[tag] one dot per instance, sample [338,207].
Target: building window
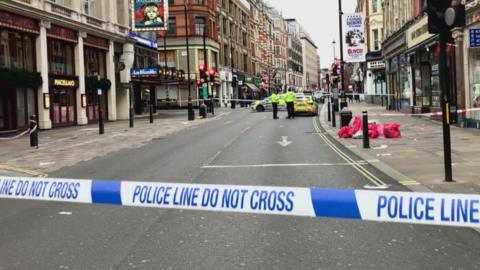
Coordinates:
[16,50]
[226,55]
[172,26]
[245,62]
[200,2]
[60,57]
[199,25]
[374,6]
[376,42]
[171,58]
[95,60]
[89,7]
[171,2]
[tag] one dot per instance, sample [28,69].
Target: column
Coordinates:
[42,66]
[80,69]
[111,99]
[123,96]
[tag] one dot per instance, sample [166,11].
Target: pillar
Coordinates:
[44,120]
[111,98]
[80,69]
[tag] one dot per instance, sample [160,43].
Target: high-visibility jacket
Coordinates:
[275,98]
[290,97]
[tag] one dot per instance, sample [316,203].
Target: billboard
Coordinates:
[149,15]
[354,38]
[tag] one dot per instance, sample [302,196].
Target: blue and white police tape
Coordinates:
[402,207]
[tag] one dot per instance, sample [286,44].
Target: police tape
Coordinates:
[424,114]
[383,206]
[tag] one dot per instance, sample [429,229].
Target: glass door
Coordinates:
[7,116]
[63,107]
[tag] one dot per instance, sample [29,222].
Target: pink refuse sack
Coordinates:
[392,131]
[345,132]
[372,131]
[356,124]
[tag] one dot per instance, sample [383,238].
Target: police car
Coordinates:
[305,105]
[266,104]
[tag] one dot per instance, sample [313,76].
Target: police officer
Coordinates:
[290,98]
[275,101]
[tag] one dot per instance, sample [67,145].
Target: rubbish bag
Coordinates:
[356,124]
[345,132]
[372,131]
[381,130]
[392,131]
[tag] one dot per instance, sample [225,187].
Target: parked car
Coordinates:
[319,97]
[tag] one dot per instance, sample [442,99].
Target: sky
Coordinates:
[320,19]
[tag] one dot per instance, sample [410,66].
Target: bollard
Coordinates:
[131,118]
[33,132]
[366,139]
[151,113]
[329,112]
[334,120]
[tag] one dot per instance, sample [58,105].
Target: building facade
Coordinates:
[310,62]
[295,55]
[280,56]
[63,57]
[235,55]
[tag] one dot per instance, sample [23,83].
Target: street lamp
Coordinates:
[333,46]
[191,113]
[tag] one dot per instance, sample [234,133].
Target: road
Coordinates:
[242,148]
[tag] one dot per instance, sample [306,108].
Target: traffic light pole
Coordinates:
[445,103]
[340,15]
[191,113]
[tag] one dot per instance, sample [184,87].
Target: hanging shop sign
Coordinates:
[474,36]
[354,38]
[149,15]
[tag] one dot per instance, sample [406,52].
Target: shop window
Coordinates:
[474,93]
[21,110]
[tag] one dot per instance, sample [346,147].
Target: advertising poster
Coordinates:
[354,38]
[149,15]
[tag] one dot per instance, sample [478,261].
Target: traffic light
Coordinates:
[202,71]
[211,74]
[443,16]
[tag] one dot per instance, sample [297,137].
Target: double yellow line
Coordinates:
[368,175]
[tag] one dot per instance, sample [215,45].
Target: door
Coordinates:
[93,106]
[7,110]
[63,107]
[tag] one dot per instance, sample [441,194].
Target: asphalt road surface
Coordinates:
[242,148]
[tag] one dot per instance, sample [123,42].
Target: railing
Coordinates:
[94,21]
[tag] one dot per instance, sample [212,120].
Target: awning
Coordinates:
[253,87]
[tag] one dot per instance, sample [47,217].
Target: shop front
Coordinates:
[62,100]
[397,73]
[19,80]
[375,88]
[63,84]
[472,57]
[97,84]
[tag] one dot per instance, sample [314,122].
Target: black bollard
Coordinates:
[334,120]
[151,114]
[131,118]
[329,112]
[33,132]
[366,139]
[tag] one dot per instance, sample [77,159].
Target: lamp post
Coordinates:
[333,47]
[191,113]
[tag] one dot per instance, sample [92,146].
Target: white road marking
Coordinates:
[65,213]
[383,146]
[210,160]
[284,142]
[274,165]
[44,164]
[377,187]
[228,123]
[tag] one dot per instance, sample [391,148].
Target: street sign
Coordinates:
[474,35]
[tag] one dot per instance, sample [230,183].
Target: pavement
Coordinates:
[67,146]
[238,148]
[416,159]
